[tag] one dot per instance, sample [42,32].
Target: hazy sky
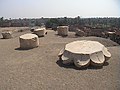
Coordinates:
[59,8]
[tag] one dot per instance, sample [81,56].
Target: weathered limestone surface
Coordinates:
[28,41]
[7,35]
[62,30]
[40,32]
[83,53]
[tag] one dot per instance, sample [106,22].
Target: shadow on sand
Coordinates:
[61,35]
[1,38]
[21,49]
[5,38]
[72,66]
[67,36]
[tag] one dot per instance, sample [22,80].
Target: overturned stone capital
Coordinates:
[80,32]
[40,32]
[83,53]
[7,34]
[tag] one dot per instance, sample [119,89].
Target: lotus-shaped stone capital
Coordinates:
[83,53]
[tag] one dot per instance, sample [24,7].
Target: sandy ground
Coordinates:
[41,69]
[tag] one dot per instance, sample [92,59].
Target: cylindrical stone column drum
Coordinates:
[28,41]
[7,35]
[62,30]
[40,32]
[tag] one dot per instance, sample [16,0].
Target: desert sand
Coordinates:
[41,69]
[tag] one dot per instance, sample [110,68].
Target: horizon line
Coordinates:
[60,17]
